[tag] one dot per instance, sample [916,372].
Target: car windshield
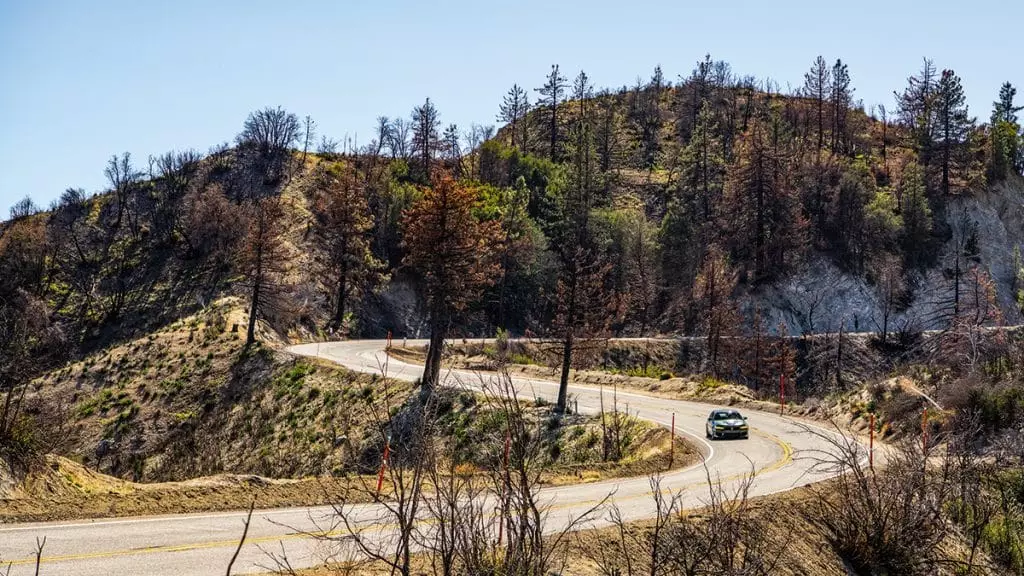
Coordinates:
[727,416]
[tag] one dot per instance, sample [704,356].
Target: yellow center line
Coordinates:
[787,457]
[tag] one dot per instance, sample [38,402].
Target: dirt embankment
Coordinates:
[59,489]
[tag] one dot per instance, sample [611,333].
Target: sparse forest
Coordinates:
[662,208]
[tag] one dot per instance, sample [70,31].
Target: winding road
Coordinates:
[201,544]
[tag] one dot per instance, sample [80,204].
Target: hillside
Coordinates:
[715,207]
[667,190]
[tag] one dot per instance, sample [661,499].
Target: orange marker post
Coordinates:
[383,465]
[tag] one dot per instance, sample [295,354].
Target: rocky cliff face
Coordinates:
[820,297]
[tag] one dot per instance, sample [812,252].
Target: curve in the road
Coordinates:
[184,545]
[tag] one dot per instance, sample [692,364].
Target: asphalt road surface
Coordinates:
[779,450]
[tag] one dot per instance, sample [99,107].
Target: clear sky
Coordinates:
[82,80]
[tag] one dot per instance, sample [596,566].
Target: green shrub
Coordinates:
[293,379]
[1003,539]
[709,383]
[521,359]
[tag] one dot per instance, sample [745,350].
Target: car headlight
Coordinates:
[743,426]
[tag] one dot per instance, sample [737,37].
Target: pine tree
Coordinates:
[916,108]
[681,246]
[518,250]
[647,118]
[818,86]
[263,261]
[513,113]
[756,368]
[702,167]
[582,310]
[426,136]
[849,221]
[584,152]
[917,217]
[889,289]
[782,360]
[1004,109]
[551,96]
[342,221]
[766,224]
[608,132]
[952,127]
[841,97]
[641,264]
[964,249]
[692,94]
[1007,144]
[450,144]
[716,311]
[452,251]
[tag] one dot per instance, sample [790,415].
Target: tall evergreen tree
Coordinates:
[647,118]
[702,167]
[818,87]
[580,308]
[916,106]
[1004,110]
[342,221]
[513,113]
[766,224]
[263,260]
[952,126]
[426,136]
[693,92]
[551,96]
[452,148]
[917,217]
[453,251]
[849,221]
[1007,153]
[841,97]
[609,132]
[716,311]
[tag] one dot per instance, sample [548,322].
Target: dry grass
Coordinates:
[189,401]
[63,490]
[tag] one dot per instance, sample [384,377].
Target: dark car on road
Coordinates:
[726,423]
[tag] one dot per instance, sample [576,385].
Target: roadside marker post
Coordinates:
[389,340]
[871,444]
[383,464]
[672,443]
[924,430]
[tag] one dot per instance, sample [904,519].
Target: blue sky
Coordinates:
[84,80]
